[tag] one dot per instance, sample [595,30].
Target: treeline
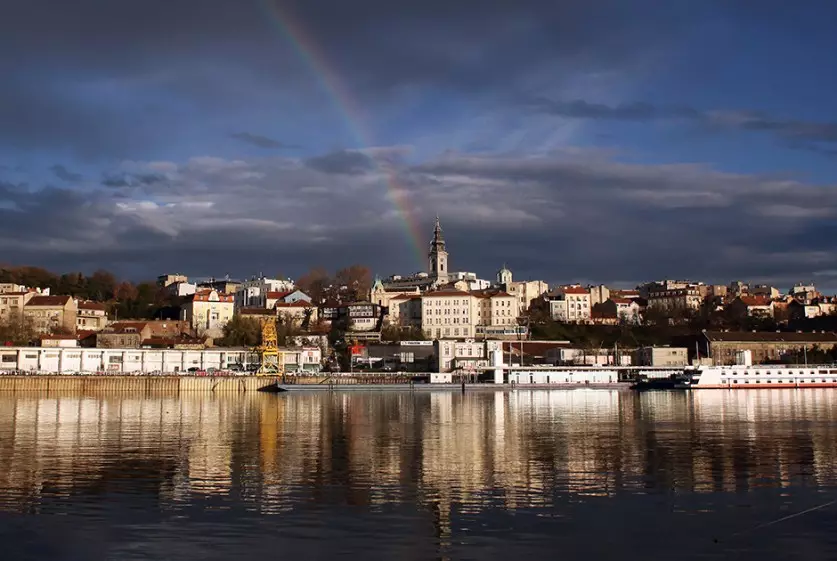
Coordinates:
[350,284]
[123,298]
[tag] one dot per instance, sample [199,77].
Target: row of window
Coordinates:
[821,381]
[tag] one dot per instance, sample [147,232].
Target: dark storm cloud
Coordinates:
[126,179]
[342,162]
[258,140]
[64,174]
[790,130]
[79,66]
[561,217]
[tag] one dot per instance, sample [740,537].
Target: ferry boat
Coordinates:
[744,377]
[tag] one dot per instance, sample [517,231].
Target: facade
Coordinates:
[448,313]
[182,289]
[253,293]
[12,304]
[675,296]
[167,280]
[438,256]
[51,313]
[723,346]
[383,296]
[298,311]
[525,292]
[618,311]
[272,297]
[146,361]
[599,294]
[464,355]
[208,311]
[404,311]
[6,287]
[571,304]
[662,356]
[769,292]
[753,306]
[91,316]
[225,285]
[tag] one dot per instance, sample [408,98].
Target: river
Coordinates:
[571,474]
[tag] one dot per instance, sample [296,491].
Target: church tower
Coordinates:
[438,256]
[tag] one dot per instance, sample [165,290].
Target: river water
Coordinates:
[575,474]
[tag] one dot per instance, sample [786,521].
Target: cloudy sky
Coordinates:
[574,140]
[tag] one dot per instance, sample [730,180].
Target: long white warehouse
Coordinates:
[75,360]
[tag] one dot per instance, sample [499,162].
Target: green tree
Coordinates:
[241,331]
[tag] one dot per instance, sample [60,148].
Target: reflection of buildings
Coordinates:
[476,451]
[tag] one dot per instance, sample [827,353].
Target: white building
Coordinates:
[57,360]
[466,355]
[461,314]
[572,304]
[253,293]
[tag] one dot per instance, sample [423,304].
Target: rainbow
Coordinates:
[313,56]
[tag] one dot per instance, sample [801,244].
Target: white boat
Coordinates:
[763,377]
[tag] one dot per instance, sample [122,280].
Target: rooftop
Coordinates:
[770,337]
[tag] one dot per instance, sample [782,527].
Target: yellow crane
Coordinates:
[272,360]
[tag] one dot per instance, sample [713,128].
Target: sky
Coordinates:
[573,140]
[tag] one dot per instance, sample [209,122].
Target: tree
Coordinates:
[101,286]
[17,330]
[357,280]
[287,326]
[396,334]
[315,283]
[241,331]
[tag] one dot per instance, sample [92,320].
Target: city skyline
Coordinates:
[575,141]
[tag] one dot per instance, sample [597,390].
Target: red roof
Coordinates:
[622,300]
[279,294]
[448,293]
[87,305]
[204,295]
[297,304]
[125,327]
[574,290]
[51,301]
[755,300]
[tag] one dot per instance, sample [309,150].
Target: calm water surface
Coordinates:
[590,474]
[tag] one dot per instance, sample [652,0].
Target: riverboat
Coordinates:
[762,377]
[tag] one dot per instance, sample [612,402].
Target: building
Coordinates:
[620,310]
[297,311]
[147,361]
[524,291]
[470,280]
[90,316]
[182,289]
[404,311]
[675,296]
[449,313]
[12,304]
[661,356]
[406,356]
[135,334]
[722,346]
[208,311]
[6,287]
[167,280]
[599,294]
[464,355]
[753,306]
[438,256]
[253,293]
[769,292]
[272,297]
[573,356]
[225,285]
[804,293]
[571,304]
[51,313]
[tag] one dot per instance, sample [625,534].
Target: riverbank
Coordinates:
[238,384]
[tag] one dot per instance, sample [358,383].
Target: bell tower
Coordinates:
[438,255]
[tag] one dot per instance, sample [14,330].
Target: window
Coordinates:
[9,358]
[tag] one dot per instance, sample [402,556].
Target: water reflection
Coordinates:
[524,449]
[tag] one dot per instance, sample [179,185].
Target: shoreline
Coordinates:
[241,384]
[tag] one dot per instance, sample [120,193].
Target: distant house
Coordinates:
[91,316]
[286,297]
[753,306]
[51,313]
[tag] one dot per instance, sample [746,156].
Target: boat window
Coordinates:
[746,381]
[813,373]
[723,380]
[735,381]
[769,381]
